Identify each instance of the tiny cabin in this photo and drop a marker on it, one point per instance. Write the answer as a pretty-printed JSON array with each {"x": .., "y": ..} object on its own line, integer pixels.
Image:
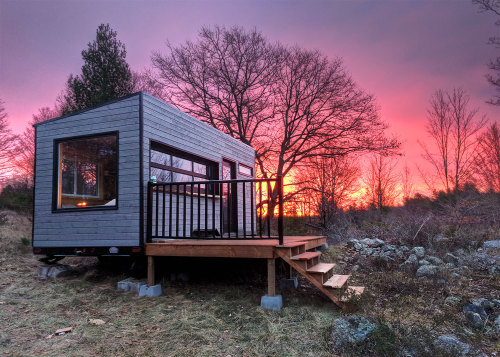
[{"x": 110, "y": 176}]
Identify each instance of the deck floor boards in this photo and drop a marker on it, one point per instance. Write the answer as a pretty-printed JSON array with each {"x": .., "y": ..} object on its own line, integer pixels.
[{"x": 225, "y": 248}]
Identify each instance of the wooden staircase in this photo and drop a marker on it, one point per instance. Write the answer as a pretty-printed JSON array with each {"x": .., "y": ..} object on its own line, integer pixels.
[{"x": 321, "y": 275}]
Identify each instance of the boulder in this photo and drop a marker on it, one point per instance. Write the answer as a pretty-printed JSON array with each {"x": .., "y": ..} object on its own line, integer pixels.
[
  {"x": 450, "y": 266},
  {"x": 434, "y": 260},
  {"x": 428, "y": 271},
  {"x": 484, "y": 303},
  {"x": 372, "y": 243},
  {"x": 497, "y": 324},
  {"x": 423, "y": 262},
  {"x": 419, "y": 252},
  {"x": 449, "y": 345},
  {"x": 450, "y": 258},
  {"x": 492, "y": 244},
  {"x": 476, "y": 309},
  {"x": 483, "y": 262},
  {"x": 494, "y": 270},
  {"x": 474, "y": 319},
  {"x": 410, "y": 264},
  {"x": 351, "y": 330},
  {"x": 453, "y": 300}
]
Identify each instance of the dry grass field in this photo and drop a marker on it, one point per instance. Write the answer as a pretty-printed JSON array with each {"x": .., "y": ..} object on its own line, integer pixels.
[{"x": 217, "y": 315}]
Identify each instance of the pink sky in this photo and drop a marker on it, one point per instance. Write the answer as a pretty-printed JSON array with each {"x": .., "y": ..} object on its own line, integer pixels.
[{"x": 400, "y": 51}]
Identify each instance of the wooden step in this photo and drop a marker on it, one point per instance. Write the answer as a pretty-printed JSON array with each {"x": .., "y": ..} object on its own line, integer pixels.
[
  {"x": 306, "y": 256},
  {"x": 321, "y": 268},
  {"x": 352, "y": 292},
  {"x": 291, "y": 245},
  {"x": 337, "y": 281}
]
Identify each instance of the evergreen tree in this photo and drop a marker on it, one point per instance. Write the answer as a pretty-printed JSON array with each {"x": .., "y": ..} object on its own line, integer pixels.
[{"x": 105, "y": 74}]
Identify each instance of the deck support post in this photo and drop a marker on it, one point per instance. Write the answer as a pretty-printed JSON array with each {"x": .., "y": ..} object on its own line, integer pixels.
[
  {"x": 151, "y": 270},
  {"x": 271, "y": 301},
  {"x": 271, "y": 277}
]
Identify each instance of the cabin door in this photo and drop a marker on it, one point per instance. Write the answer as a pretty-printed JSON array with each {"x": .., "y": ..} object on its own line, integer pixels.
[{"x": 229, "y": 200}]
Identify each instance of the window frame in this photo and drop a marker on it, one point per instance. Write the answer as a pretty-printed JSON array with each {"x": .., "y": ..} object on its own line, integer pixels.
[
  {"x": 55, "y": 173},
  {"x": 193, "y": 158},
  {"x": 246, "y": 166}
]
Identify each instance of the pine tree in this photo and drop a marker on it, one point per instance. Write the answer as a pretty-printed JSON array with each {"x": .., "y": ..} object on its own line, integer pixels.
[{"x": 105, "y": 74}]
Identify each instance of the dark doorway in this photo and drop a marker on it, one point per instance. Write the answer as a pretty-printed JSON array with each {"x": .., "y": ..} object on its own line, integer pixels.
[{"x": 229, "y": 199}]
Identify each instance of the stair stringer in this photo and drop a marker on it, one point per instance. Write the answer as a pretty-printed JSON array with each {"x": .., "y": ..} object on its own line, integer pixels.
[{"x": 281, "y": 253}]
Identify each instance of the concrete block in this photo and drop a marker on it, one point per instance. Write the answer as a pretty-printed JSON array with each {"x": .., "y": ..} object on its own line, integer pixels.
[
  {"x": 43, "y": 272},
  {"x": 150, "y": 291},
  {"x": 135, "y": 286},
  {"x": 289, "y": 284},
  {"x": 271, "y": 302},
  {"x": 55, "y": 271},
  {"x": 123, "y": 285},
  {"x": 323, "y": 246}
]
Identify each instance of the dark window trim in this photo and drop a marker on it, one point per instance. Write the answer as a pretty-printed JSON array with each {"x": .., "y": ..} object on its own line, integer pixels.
[
  {"x": 158, "y": 146},
  {"x": 55, "y": 172},
  {"x": 248, "y": 167}
]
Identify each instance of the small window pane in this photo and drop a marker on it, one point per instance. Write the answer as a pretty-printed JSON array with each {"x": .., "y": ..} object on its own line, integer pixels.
[
  {"x": 182, "y": 164},
  {"x": 182, "y": 178},
  {"x": 200, "y": 168},
  {"x": 160, "y": 158},
  {"x": 161, "y": 175},
  {"x": 245, "y": 170},
  {"x": 68, "y": 176}
]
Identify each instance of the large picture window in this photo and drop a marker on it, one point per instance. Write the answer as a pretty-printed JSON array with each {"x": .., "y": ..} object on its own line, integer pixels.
[
  {"x": 172, "y": 165},
  {"x": 87, "y": 171}
]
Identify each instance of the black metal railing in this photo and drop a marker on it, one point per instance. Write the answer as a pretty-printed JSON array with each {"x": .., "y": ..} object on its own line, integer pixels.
[{"x": 221, "y": 209}]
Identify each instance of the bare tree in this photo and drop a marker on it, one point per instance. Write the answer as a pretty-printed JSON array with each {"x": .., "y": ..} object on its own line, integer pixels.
[
  {"x": 453, "y": 127},
  {"x": 7, "y": 139},
  {"x": 290, "y": 104},
  {"x": 381, "y": 182},
  {"x": 23, "y": 158},
  {"x": 328, "y": 182},
  {"x": 494, "y": 65},
  {"x": 487, "y": 159},
  {"x": 407, "y": 187}
]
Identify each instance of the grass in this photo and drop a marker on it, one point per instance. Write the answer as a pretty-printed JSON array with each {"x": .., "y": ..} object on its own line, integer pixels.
[{"x": 216, "y": 314}]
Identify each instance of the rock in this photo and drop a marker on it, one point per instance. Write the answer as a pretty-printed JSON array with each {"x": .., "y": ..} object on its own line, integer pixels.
[
  {"x": 450, "y": 258},
  {"x": 497, "y": 324},
  {"x": 474, "y": 319},
  {"x": 450, "y": 266},
  {"x": 419, "y": 252},
  {"x": 434, "y": 260},
  {"x": 456, "y": 275},
  {"x": 371, "y": 243},
  {"x": 410, "y": 264},
  {"x": 351, "y": 330},
  {"x": 496, "y": 302},
  {"x": 449, "y": 345},
  {"x": 352, "y": 242},
  {"x": 423, "y": 262},
  {"x": 428, "y": 271},
  {"x": 366, "y": 252},
  {"x": 387, "y": 256},
  {"x": 355, "y": 268},
  {"x": 460, "y": 251},
  {"x": 476, "y": 309},
  {"x": 492, "y": 244},
  {"x": 494, "y": 270},
  {"x": 484, "y": 303},
  {"x": 483, "y": 262},
  {"x": 453, "y": 300}
]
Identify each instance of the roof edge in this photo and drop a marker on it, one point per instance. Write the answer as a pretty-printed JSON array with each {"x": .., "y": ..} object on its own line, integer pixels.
[{"x": 87, "y": 109}]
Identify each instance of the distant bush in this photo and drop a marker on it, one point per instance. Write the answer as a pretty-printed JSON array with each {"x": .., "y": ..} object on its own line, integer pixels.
[{"x": 17, "y": 197}]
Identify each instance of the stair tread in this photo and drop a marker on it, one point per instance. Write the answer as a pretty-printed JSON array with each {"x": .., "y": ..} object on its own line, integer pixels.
[
  {"x": 321, "y": 268},
  {"x": 291, "y": 245},
  {"x": 337, "y": 281},
  {"x": 306, "y": 256},
  {"x": 352, "y": 292}
]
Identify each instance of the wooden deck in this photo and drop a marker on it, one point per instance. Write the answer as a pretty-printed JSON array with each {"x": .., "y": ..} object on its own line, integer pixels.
[{"x": 254, "y": 248}]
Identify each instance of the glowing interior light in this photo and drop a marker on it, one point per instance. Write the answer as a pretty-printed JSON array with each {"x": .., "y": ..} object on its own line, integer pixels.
[{"x": 82, "y": 204}]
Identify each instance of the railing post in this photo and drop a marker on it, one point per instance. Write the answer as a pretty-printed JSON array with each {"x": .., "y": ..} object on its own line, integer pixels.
[
  {"x": 149, "y": 219},
  {"x": 280, "y": 208}
]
